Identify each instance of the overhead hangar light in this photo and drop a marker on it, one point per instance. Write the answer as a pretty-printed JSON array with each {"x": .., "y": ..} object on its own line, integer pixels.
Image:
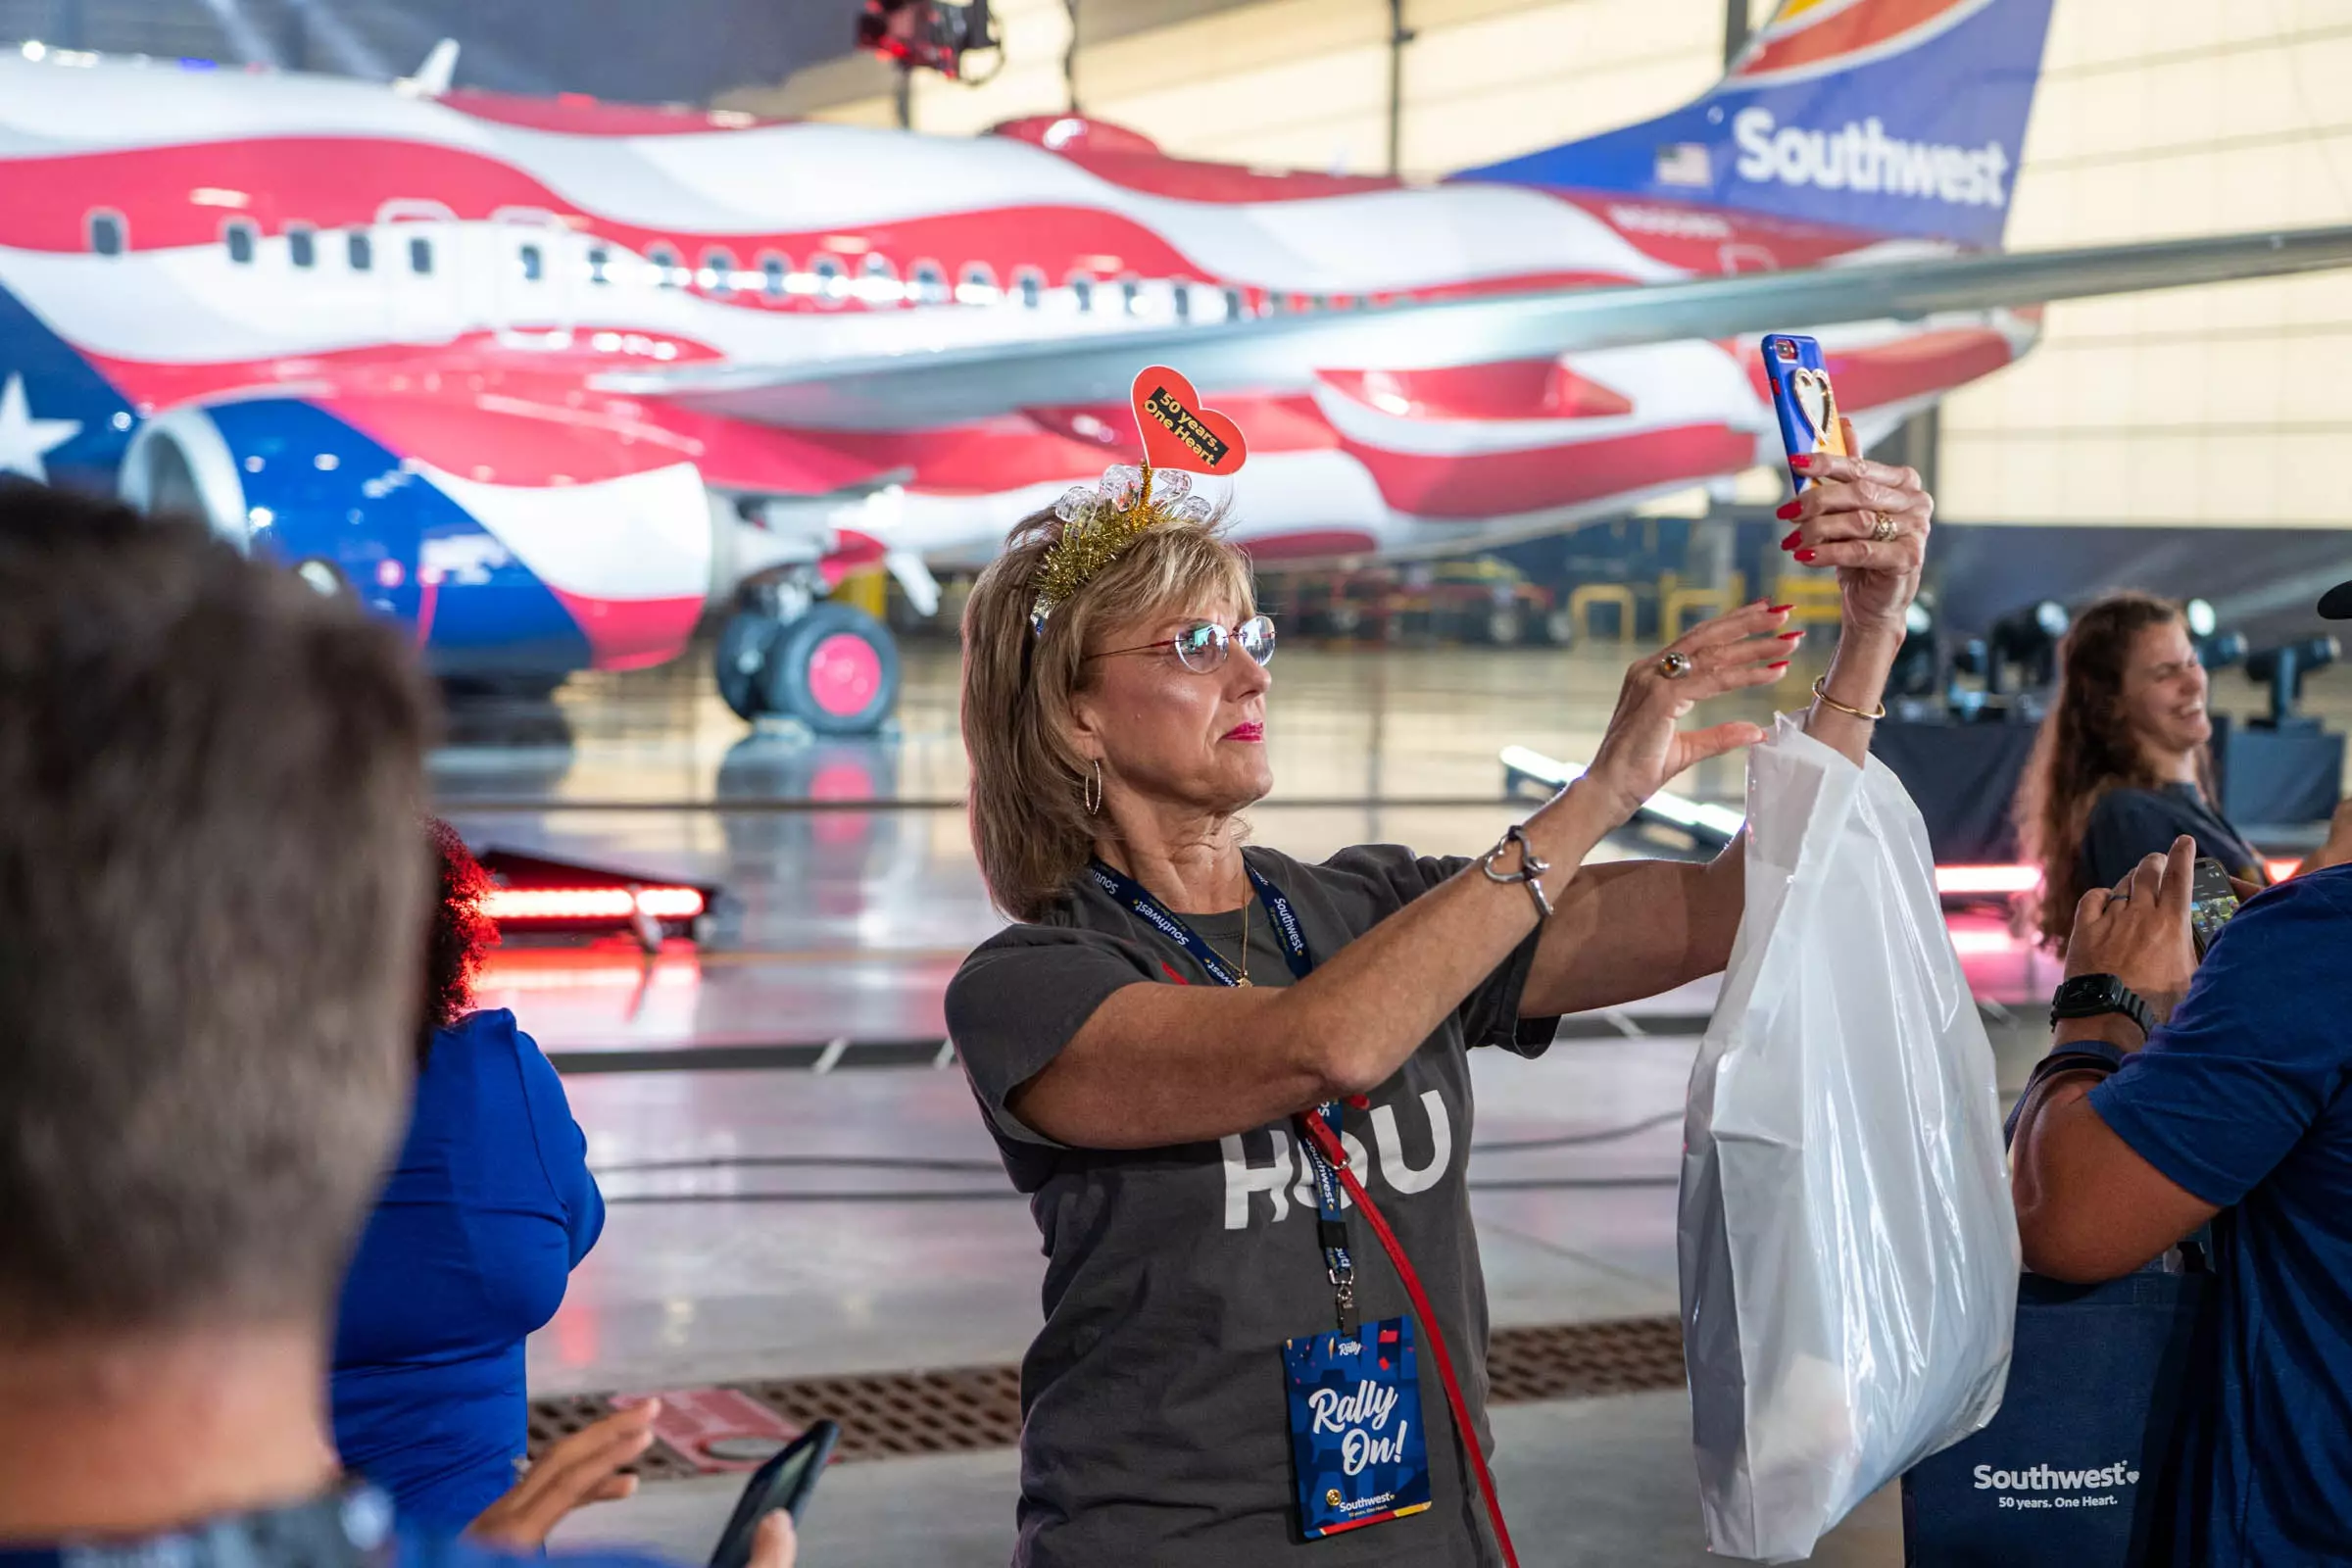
[{"x": 2199, "y": 615}]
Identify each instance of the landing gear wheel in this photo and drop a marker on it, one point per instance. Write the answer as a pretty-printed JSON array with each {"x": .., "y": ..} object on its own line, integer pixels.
[
  {"x": 835, "y": 669},
  {"x": 747, "y": 647}
]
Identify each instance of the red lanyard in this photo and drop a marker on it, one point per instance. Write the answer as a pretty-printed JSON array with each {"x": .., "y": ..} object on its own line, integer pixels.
[{"x": 1336, "y": 1155}]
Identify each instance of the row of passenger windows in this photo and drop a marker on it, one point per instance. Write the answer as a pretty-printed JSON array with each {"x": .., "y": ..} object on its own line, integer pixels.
[{"x": 829, "y": 277}]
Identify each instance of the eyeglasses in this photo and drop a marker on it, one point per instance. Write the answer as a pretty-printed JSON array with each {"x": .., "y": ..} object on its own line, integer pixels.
[{"x": 1202, "y": 645}]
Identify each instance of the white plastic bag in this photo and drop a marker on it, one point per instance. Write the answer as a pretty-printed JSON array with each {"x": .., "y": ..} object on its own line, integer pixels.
[{"x": 1848, "y": 1250}]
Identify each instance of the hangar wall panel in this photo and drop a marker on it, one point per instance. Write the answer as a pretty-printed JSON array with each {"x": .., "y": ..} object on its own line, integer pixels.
[{"x": 2213, "y": 405}]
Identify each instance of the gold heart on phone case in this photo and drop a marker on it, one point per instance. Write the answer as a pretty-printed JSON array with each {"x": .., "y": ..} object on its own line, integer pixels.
[{"x": 1818, "y": 405}]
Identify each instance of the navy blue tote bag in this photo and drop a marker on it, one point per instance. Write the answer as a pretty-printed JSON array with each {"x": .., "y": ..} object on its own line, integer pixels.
[{"x": 2078, "y": 1470}]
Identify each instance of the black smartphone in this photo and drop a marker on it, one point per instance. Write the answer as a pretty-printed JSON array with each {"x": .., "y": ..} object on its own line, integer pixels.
[
  {"x": 784, "y": 1482},
  {"x": 2212, "y": 901}
]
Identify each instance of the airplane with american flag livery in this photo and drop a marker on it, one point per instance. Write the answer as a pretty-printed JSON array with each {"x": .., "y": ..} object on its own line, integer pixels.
[{"x": 549, "y": 381}]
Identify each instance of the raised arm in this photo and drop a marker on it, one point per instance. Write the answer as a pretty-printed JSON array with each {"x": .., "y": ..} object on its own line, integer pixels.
[
  {"x": 1633, "y": 930},
  {"x": 1161, "y": 1064}
]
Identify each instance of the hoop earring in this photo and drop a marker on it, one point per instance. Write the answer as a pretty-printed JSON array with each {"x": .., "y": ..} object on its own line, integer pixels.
[{"x": 1091, "y": 790}]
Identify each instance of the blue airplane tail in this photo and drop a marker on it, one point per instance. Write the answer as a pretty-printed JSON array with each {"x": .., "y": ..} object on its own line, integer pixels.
[{"x": 1895, "y": 117}]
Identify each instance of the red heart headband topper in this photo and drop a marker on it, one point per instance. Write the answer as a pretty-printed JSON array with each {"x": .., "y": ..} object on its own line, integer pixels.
[{"x": 1178, "y": 433}]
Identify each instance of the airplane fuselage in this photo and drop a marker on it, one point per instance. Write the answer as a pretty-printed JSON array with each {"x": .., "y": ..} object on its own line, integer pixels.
[{"x": 408, "y": 339}]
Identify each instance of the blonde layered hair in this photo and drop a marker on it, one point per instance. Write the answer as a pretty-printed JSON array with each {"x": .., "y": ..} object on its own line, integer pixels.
[{"x": 1030, "y": 826}]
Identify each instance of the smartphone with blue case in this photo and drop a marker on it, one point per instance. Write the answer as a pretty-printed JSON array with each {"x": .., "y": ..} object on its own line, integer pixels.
[{"x": 1802, "y": 398}]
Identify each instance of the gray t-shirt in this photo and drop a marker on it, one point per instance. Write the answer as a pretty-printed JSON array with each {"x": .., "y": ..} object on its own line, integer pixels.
[{"x": 1155, "y": 1425}]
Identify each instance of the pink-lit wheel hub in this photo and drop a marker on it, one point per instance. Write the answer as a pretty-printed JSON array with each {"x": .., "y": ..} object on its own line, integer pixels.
[{"x": 843, "y": 674}]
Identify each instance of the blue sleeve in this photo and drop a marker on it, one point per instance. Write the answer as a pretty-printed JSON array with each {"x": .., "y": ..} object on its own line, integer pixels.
[
  {"x": 2255, "y": 1052},
  {"x": 563, "y": 1147}
]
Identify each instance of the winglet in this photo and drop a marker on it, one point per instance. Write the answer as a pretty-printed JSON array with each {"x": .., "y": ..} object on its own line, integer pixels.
[{"x": 433, "y": 77}]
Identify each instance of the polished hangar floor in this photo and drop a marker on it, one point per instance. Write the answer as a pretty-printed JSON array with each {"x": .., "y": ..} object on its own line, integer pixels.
[{"x": 834, "y": 1206}]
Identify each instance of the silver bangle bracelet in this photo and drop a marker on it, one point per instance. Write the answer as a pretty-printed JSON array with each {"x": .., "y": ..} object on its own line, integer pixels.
[{"x": 1530, "y": 868}]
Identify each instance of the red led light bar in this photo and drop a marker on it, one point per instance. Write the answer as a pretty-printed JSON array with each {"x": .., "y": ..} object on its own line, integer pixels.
[
  {"x": 1985, "y": 879},
  {"x": 522, "y": 905}
]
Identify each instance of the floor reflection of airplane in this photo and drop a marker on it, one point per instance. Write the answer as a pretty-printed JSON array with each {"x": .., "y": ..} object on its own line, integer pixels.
[{"x": 541, "y": 380}]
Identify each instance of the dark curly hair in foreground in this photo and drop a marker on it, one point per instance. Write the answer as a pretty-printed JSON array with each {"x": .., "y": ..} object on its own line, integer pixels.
[{"x": 462, "y": 933}]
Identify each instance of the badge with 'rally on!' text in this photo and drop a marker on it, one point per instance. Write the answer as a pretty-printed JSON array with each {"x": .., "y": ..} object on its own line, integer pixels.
[{"x": 1357, "y": 1449}]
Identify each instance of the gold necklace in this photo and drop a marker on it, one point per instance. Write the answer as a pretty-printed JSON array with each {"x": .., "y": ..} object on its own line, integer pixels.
[{"x": 1244, "y": 980}]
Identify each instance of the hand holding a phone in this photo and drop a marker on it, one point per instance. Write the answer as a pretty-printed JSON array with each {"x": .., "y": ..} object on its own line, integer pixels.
[
  {"x": 2139, "y": 932},
  {"x": 1868, "y": 519},
  {"x": 583, "y": 1468}
]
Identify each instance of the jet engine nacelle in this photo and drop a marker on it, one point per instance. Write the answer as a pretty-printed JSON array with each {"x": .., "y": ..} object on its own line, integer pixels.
[{"x": 511, "y": 546}]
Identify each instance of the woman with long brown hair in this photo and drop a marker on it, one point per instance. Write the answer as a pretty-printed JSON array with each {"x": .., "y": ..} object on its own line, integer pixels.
[{"x": 2122, "y": 765}]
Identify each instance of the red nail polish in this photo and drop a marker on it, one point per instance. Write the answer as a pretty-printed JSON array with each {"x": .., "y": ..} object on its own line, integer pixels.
[
  {"x": 1789, "y": 510},
  {"x": 1781, "y": 609},
  {"x": 1790, "y": 636},
  {"x": 1805, "y": 558},
  {"x": 1783, "y": 664},
  {"x": 1794, "y": 536},
  {"x": 1800, "y": 460}
]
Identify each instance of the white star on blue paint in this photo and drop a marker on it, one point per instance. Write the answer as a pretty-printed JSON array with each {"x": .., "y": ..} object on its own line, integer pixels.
[{"x": 25, "y": 440}]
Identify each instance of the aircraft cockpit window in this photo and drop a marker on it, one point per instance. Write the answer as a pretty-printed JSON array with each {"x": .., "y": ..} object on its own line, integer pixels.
[
  {"x": 421, "y": 256},
  {"x": 301, "y": 248},
  {"x": 832, "y": 287},
  {"x": 1082, "y": 292},
  {"x": 774, "y": 274},
  {"x": 665, "y": 261},
  {"x": 106, "y": 233},
  {"x": 1182, "y": 296},
  {"x": 718, "y": 271},
  {"x": 359, "y": 251},
  {"x": 930, "y": 283},
  {"x": 1131, "y": 297},
  {"x": 237, "y": 235},
  {"x": 1235, "y": 306},
  {"x": 600, "y": 264},
  {"x": 533, "y": 264},
  {"x": 1032, "y": 286},
  {"x": 979, "y": 285}
]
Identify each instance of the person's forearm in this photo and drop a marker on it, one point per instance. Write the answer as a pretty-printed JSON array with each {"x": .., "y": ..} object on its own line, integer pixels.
[
  {"x": 2051, "y": 1211},
  {"x": 1360, "y": 1016},
  {"x": 1630, "y": 929},
  {"x": 1160, "y": 1065},
  {"x": 1857, "y": 679}
]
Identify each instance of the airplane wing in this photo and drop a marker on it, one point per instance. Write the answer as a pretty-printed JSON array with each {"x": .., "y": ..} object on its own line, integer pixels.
[{"x": 960, "y": 382}]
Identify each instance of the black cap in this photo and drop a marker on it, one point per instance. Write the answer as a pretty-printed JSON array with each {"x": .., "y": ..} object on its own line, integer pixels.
[{"x": 2336, "y": 603}]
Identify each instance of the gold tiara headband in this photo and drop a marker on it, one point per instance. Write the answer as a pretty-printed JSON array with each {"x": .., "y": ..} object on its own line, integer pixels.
[{"x": 1101, "y": 521}]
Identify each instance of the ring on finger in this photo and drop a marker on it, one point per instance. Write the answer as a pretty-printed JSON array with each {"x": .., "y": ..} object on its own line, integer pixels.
[
  {"x": 1674, "y": 664},
  {"x": 1885, "y": 528}
]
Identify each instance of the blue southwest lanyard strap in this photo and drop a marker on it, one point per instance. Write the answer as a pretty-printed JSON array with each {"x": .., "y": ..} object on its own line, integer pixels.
[
  {"x": 1382, "y": 1470},
  {"x": 1331, "y": 1221}
]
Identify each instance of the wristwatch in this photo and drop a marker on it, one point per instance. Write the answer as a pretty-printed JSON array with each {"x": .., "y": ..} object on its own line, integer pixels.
[{"x": 2087, "y": 996}]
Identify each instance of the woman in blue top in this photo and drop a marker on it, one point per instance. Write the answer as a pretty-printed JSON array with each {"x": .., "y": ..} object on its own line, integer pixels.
[{"x": 483, "y": 1217}]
